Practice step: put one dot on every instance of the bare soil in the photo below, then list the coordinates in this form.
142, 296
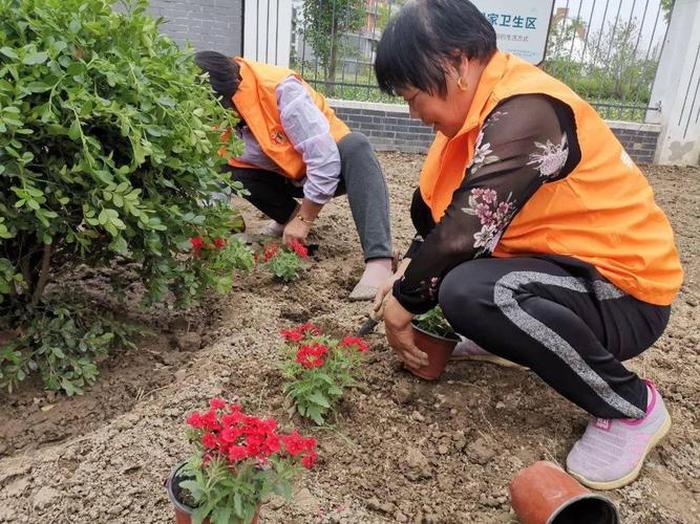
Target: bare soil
400, 450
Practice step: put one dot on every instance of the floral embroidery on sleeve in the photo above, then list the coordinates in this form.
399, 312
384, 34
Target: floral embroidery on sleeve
493, 215
482, 154
552, 158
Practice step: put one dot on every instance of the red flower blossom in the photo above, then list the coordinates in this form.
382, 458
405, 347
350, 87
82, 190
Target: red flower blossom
209, 441
217, 403
197, 243
236, 453
294, 443
308, 327
311, 356
195, 420
300, 249
292, 335
359, 344
210, 422
219, 243
300, 332
269, 252
309, 459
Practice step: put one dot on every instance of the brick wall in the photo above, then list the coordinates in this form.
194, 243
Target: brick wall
207, 24
390, 128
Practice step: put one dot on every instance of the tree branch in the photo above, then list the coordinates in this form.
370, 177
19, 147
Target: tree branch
43, 275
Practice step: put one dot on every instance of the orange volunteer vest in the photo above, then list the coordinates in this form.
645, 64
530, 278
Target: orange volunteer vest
602, 213
256, 102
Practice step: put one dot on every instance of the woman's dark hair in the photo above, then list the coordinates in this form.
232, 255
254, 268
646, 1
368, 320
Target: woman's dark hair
224, 74
424, 37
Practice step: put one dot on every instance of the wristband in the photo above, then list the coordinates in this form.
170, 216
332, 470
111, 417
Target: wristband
307, 221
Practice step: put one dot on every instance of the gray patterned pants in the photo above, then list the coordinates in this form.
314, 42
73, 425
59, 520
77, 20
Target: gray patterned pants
562, 319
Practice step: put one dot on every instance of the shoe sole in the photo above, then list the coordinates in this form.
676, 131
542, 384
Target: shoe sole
491, 359
632, 476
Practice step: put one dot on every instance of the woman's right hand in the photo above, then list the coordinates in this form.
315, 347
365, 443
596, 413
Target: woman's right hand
384, 290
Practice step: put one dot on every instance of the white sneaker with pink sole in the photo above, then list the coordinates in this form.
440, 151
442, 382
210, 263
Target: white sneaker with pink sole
611, 452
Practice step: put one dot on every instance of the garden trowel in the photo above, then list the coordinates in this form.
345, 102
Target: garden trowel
369, 324
375, 317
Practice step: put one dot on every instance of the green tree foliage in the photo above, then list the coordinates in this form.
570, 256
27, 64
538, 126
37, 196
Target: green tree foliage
325, 25
608, 68
107, 153
667, 6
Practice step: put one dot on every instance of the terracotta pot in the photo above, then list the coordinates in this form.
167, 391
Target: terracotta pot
438, 350
543, 493
183, 512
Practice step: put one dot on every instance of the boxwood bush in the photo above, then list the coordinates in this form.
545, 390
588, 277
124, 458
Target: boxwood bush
108, 153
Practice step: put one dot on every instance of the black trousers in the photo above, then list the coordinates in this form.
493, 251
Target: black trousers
562, 319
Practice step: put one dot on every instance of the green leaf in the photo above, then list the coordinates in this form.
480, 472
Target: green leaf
37, 87
166, 101
74, 131
283, 489
35, 58
314, 412
221, 515
319, 398
69, 387
335, 391
9, 53
119, 245
323, 376
237, 505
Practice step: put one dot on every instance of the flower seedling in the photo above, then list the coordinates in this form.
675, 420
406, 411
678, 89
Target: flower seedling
239, 461
318, 369
284, 262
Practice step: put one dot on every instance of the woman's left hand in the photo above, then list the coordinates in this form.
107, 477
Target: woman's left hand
397, 323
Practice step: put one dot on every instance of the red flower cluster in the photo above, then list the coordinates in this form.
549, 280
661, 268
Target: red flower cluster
355, 342
311, 356
300, 332
198, 244
270, 251
300, 249
295, 444
228, 432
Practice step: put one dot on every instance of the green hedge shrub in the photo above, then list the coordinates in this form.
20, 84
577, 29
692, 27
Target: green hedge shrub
108, 141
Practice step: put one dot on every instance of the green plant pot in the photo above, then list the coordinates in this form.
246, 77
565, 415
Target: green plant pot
183, 512
438, 349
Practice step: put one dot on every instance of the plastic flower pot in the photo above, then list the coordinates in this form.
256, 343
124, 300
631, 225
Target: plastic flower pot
543, 493
438, 349
183, 512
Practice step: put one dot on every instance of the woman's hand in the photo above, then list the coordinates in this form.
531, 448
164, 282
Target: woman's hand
297, 230
397, 324
385, 289
300, 224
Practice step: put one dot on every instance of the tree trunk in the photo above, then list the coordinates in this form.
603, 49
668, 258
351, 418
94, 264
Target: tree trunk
43, 274
332, 62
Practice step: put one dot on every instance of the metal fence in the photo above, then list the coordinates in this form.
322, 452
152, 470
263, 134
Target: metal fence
607, 51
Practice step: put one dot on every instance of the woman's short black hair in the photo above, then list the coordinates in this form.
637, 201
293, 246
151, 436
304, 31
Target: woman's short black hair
424, 37
224, 74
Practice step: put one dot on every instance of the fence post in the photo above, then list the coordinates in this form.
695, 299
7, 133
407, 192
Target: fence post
267, 31
677, 89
